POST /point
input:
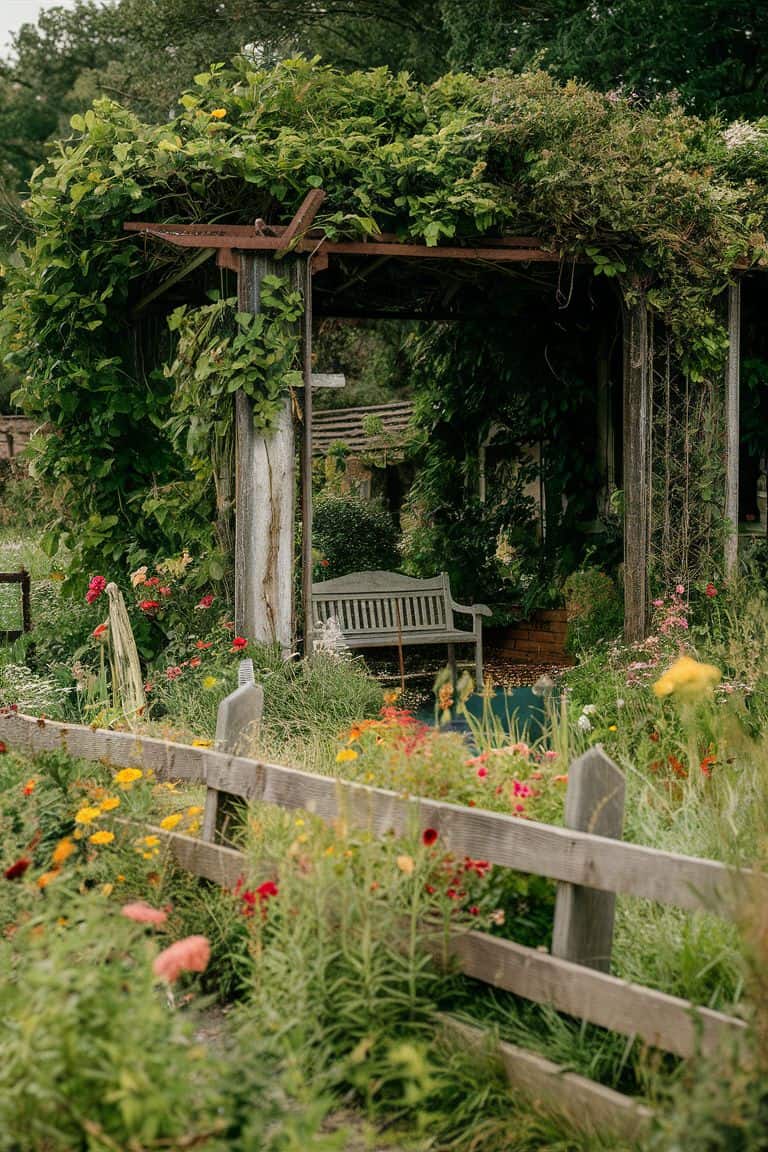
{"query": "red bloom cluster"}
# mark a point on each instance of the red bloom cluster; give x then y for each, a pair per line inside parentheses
(238, 643)
(257, 897)
(205, 601)
(149, 605)
(95, 588)
(710, 591)
(428, 836)
(18, 869)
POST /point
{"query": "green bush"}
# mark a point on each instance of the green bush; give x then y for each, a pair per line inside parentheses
(595, 608)
(354, 535)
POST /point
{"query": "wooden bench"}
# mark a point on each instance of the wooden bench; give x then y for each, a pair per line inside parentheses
(378, 609)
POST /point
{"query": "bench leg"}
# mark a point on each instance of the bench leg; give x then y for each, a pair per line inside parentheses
(479, 663)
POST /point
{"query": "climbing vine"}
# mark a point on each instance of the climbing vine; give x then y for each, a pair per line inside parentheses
(663, 203)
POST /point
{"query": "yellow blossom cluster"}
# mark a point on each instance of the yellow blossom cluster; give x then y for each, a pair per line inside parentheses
(687, 679)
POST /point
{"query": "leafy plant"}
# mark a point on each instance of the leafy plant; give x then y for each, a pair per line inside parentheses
(353, 535)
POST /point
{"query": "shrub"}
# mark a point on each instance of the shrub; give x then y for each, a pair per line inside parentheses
(354, 535)
(594, 606)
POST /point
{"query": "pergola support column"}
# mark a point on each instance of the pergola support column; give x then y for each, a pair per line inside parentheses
(637, 468)
(264, 499)
(732, 430)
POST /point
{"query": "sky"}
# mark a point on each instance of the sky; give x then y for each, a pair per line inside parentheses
(14, 13)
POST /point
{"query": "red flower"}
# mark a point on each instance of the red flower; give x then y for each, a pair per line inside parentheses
(195, 662)
(238, 643)
(3, 745)
(18, 869)
(428, 836)
(149, 605)
(710, 591)
(266, 890)
(147, 687)
(325, 563)
(95, 588)
(203, 644)
(164, 591)
(173, 672)
(153, 582)
(205, 601)
(99, 631)
(252, 898)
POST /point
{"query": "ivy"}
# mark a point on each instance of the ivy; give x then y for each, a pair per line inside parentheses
(661, 202)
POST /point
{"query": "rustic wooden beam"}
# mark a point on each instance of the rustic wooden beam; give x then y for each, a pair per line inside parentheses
(732, 385)
(636, 436)
(264, 499)
(302, 221)
(306, 464)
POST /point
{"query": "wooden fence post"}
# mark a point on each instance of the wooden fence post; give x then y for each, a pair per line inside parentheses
(237, 720)
(732, 431)
(594, 802)
(637, 468)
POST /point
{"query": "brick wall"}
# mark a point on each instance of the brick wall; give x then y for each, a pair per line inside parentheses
(15, 432)
(538, 640)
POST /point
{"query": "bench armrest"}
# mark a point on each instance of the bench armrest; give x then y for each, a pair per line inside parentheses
(472, 609)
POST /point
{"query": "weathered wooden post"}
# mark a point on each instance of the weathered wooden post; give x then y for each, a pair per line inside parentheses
(594, 802)
(637, 467)
(732, 377)
(264, 497)
(237, 723)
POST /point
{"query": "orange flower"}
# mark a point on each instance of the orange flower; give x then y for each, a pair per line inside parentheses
(44, 880)
(63, 850)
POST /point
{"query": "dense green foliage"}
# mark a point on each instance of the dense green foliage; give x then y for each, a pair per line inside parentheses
(353, 535)
(657, 200)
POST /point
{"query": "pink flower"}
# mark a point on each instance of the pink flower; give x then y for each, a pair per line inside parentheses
(95, 588)
(144, 913)
(165, 591)
(173, 672)
(188, 955)
(680, 589)
(550, 754)
(205, 601)
(482, 771)
(658, 603)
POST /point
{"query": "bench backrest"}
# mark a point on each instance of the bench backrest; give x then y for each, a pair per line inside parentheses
(384, 603)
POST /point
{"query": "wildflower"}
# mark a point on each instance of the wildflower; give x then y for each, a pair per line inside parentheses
(110, 803)
(584, 723)
(710, 591)
(102, 837)
(164, 590)
(188, 955)
(195, 662)
(238, 643)
(95, 588)
(127, 777)
(612, 728)
(202, 743)
(219, 113)
(87, 815)
(139, 576)
(100, 630)
(29, 787)
(550, 754)
(428, 836)
(658, 603)
(194, 810)
(482, 772)
(706, 765)
(680, 589)
(170, 822)
(521, 748)
(209, 682)
(201, 644)
(345, 754)
(497, 917)
(406, 864)
(205, 601)
(63, 851)
(688, 679)
(149, 605)
(148, 686)
(143, 913)
(44, 880)
(173, 672)
(17, 869)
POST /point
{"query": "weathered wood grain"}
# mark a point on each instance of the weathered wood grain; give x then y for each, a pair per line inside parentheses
(594, 802)
(524, 845)
(662, 1021)
(732, 388)
(636, 482)
(215, 862)
(589, 1106)
(237, 722)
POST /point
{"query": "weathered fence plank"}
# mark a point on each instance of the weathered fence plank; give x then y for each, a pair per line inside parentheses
(588, 1105)
(237, 721)
(659, 1020)
(594, 802)
(523, 845)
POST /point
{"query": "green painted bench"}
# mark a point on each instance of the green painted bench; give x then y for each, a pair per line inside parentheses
(378, 609)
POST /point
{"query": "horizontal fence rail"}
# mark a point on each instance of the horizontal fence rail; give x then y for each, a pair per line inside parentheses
(526, 846)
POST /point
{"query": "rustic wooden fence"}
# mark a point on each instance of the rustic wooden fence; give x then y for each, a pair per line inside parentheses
(590, 869)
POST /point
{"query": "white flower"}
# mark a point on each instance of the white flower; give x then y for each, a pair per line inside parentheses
(619, 703)
(584, 723)
(589, 709)
(329, 639)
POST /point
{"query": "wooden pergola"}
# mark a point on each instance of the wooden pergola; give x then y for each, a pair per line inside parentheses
(265, 466)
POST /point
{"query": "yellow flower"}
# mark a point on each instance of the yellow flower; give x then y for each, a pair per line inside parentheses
(219, 113)
(110, 803)
(345, 754)
(202, 743)
(170, 822)
(151, 841)
(209, 682)
(406, 864)
(194, 810)
(126, 777)
(63, 850)
(107, 889)
(87, 815)
(194, 827)
(102, 837)
(687, 679)
(120, 878)
(612, 728)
